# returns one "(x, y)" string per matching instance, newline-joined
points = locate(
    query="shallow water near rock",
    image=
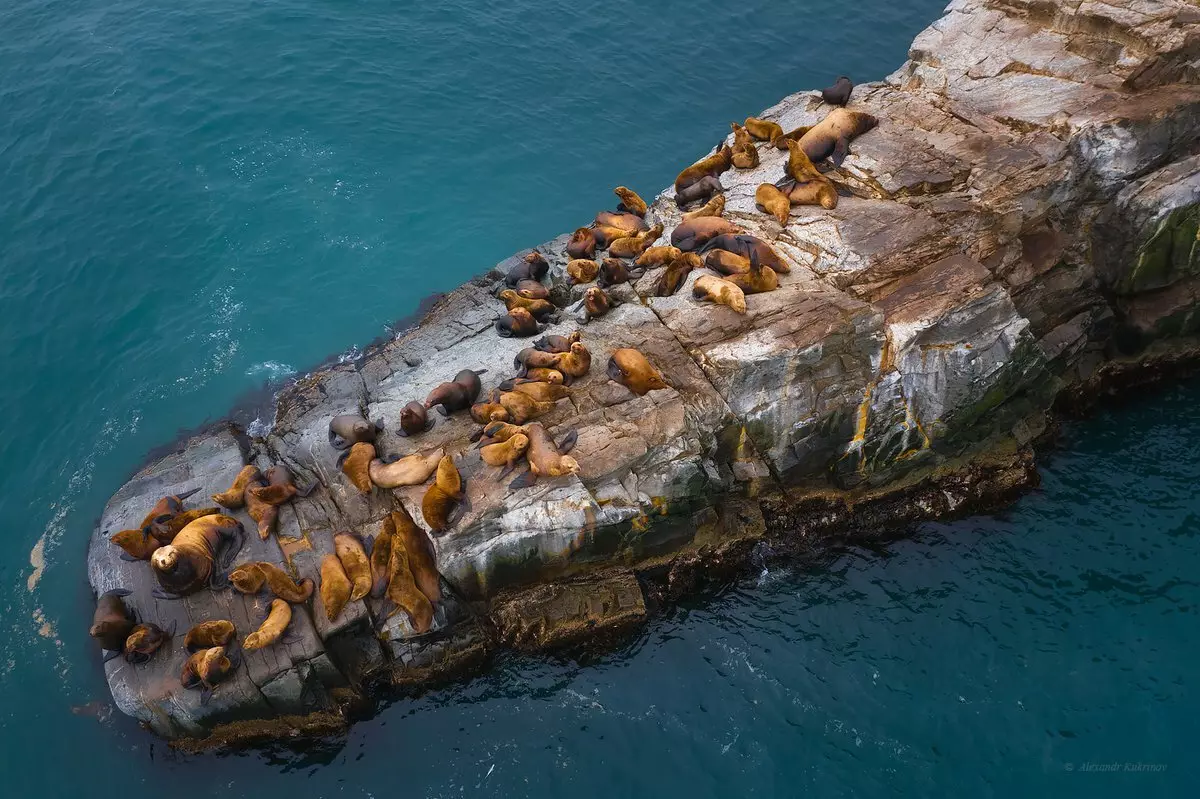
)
(201, 200)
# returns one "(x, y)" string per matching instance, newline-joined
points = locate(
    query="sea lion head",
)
(507, 296)
(246, 579)
(165, 559)
(568, 465)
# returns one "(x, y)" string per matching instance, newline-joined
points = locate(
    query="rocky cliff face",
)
(1022, 222)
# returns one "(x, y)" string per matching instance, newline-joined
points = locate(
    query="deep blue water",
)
(198, 199)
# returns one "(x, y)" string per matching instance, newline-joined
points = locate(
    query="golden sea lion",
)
(574, 363)
(582, 270)
(557, 343)
(272, 627)
(206, 669)
(411, 470)
(543, 392)
(700, 190)
(727, 263)
(519, 323)
(112, 622)
(811, 187)
(234, 498)
(756, 280)
(262, 512)
(634, 246)
(144, 640)
(630, 201)
(613, 272)
(771, 200)
(197, 556)
(350, 429)
(693, 234)
(489, 410)
(830, 138)
(356, 465)
(630, 223)
(335, 586)
(532, 267)
(795, 134)
(414, 419)
(505, 454)
(582, 243)
(673, 277)
(545, 375)
(533, 290)
(595, 303)
(540, 309)
(745, 154)
(422, 561)
(249, 578)
(546, 459)
(381, 555)
(521, 407)
(606, 235)
(208, 634)
(839, 92)
(136, 545)
(280, 488)
(501, 431)
(719, 291)
(743, 244)
(443, 496)
(709, 166)
(763, 129)
(714, 207)
(630, 368)
(658, 256)
(355, 563)
(402, 590)
(165, 532)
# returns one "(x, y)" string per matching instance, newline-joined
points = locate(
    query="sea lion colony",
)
(191, 549)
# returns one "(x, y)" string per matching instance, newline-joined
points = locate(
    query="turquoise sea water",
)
(200, 199)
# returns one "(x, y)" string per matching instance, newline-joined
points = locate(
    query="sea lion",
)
(381, 555)
(411, 470)
(595, 304)
(714, 207)
(350, 429)
(280, 488)
(763, 129)
(355, 562)
(505, 454)
(630, 368)
(757, 280)
(839, 92)
(112, 622)
(144, 640)
(545, 375)
(402, 590)
(235, 497)
(613, 272)
(745, 154)
(532, 267)
(517, 323)
(582, 243)
(795, 134)
(769, 199)
(727, 263)
(811, 186)
(557, 343)
(634, 246)
(693, 234)
(197, 556)
(709, 166)
(531, 357)
(658, 256)
(576, 362)
(533, 290)
(136, 545)
(443, 496)
(630, 201)
(743, 244)
(491, 409)
(262, 512)
(630, 223)
(521, 407)
(249, 578)
(159, 518)
(271, 630)
(208, 634)
(449, 398)
(501, 431)
(422, 560)
(606, 235)
(166, 531)
(830, 138)
(582, 270)
(546, 459)
(413, 420)
(700, 190)
(356, 465)
(206, 669)
(335, 586)
(673, 277)
(543, 392)
(719, 291)
(541, 309)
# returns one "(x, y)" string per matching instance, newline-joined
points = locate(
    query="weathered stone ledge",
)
(1020, 229)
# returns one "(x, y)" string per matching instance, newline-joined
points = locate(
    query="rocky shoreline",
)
(1019, 235)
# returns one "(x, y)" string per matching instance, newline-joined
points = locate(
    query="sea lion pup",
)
(769, 199)
(692, 234)
(700, 190)
(350, 429)
(271, 630)
(574, 363)
(531, 357)
(249, 578)
(541, 309)
(658, 256)
(235, 497)
(443, 496)
(710, 166)
(505, 454)
(350, 551)
(745, 154)
(830, 138)
(491, 409)
(634, 246)
(543, 392)
(546, 459)
(743, 244)
(630, 223)
(544, 374)
(812, 188)
(206, 669)
(719, 291)
(356, 465)
(839, 92)
(757, 280)
(494, 432)
(197, 556)
(135, 544)
(335, 586)
(595, 304)
(208, 634)
(630, 368)
(726, 263)
(422, 561)
(112, 622)
(414, 420)
(381, 555)
(613, 272)
(673, 277)
(533, 290)
(411, 470)
(144, 641)
(518, 323)
(557, 343)
(582, 243)
(582, 270)
(714, 207)
(402, 591)
(763, 129)
(630, 201)
(532, 267)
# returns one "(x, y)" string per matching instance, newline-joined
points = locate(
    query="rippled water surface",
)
(200, 199)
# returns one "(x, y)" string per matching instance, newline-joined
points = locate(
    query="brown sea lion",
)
(658, 256)
(719, 291)
(501, 431)
(443, 496)
(518, 323)
(271, 630)
(413, 420)
(557, 343)
(743, 244)
(235, 497)
(136, 545)
(422, 560)
(262, 512)
(630, 201)
(112, 622)
(250, 578)
(545, 375)
(206, 669)
(745, 154)
(582, 244)
(630, 368)
(606, 235)
(206, 635)
(673, 277)
(693, 234)
(355, 463)
(350, 429)
(726, 263)
(355, 563)
(546, 459)
(795, 134)
(145, 640)
(411, 470)
(469, 379)
(763, 129)
(533, 290)
(613, 272)
(811, 186)
(449, 398)
(166, 531)
(521, 407)
(630, 223)
(771, 200)
(700, 190)
(505, 454)
(381, 555)
(402, 590)
(595, 303)
(757, 280)
(541, 309)
(531, 357)
(714, 207)
(830, 138)
(335, 586)
(489, 410)
(166, 510)
(709, 166)
(634, 246)
(197, 556)
(280, 488)
(582, 270)
(532, 267)
(839, 92)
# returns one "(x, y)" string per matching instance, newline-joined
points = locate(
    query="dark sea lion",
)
(532, 267)
(582, 270)
(811, 186)
(595, 303)
(745, 154)
(557, 343)
(582, 243)
(144, 640)
(411, 470)
(350, 429)
(830, 138)
(757, 280)
(693, 234)
(335, 586)
(235, 497)
(443, 496)
(720, 291)
(271, 630)
(630, 368)
(422, 560)
(469, 380)
(726, 263)
(356, 465)
(709, 166)
(250, 578)
(700, 190)
(112, 622)
(575, 362)
(206, 635)
(658, 256)
(673, 277)
(714, 207)
(206, 669)
(769, 199)
(517, 323)
(402, 590)
(381, 556)
(546, 459)
(530, 358)
(197, 556)
(743, 244)
(839, 92)
(413, 420)
(541, 309)
(163, 512)
(630, 223)
(613, 272)
(763, 129)
(355, 563)
(630, 201)
(533, 290)
(449, 398)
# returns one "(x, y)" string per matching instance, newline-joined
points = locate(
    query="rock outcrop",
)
(1024, 218)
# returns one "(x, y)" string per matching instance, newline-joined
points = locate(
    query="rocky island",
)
(1019, 233)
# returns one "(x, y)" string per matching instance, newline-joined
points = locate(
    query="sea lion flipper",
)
(840, 150)
(187, 494)
(218, 581)
(506, 471)
(401, 433)
(442, 410)
(336, 441)
(125, 556)
(342, 458)
(368, 544)
(428, 425)
(478, 434)
(636, 273)
(568, 442)
(524, 481)
(379, 425)
(118, 592)
(507, 385)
